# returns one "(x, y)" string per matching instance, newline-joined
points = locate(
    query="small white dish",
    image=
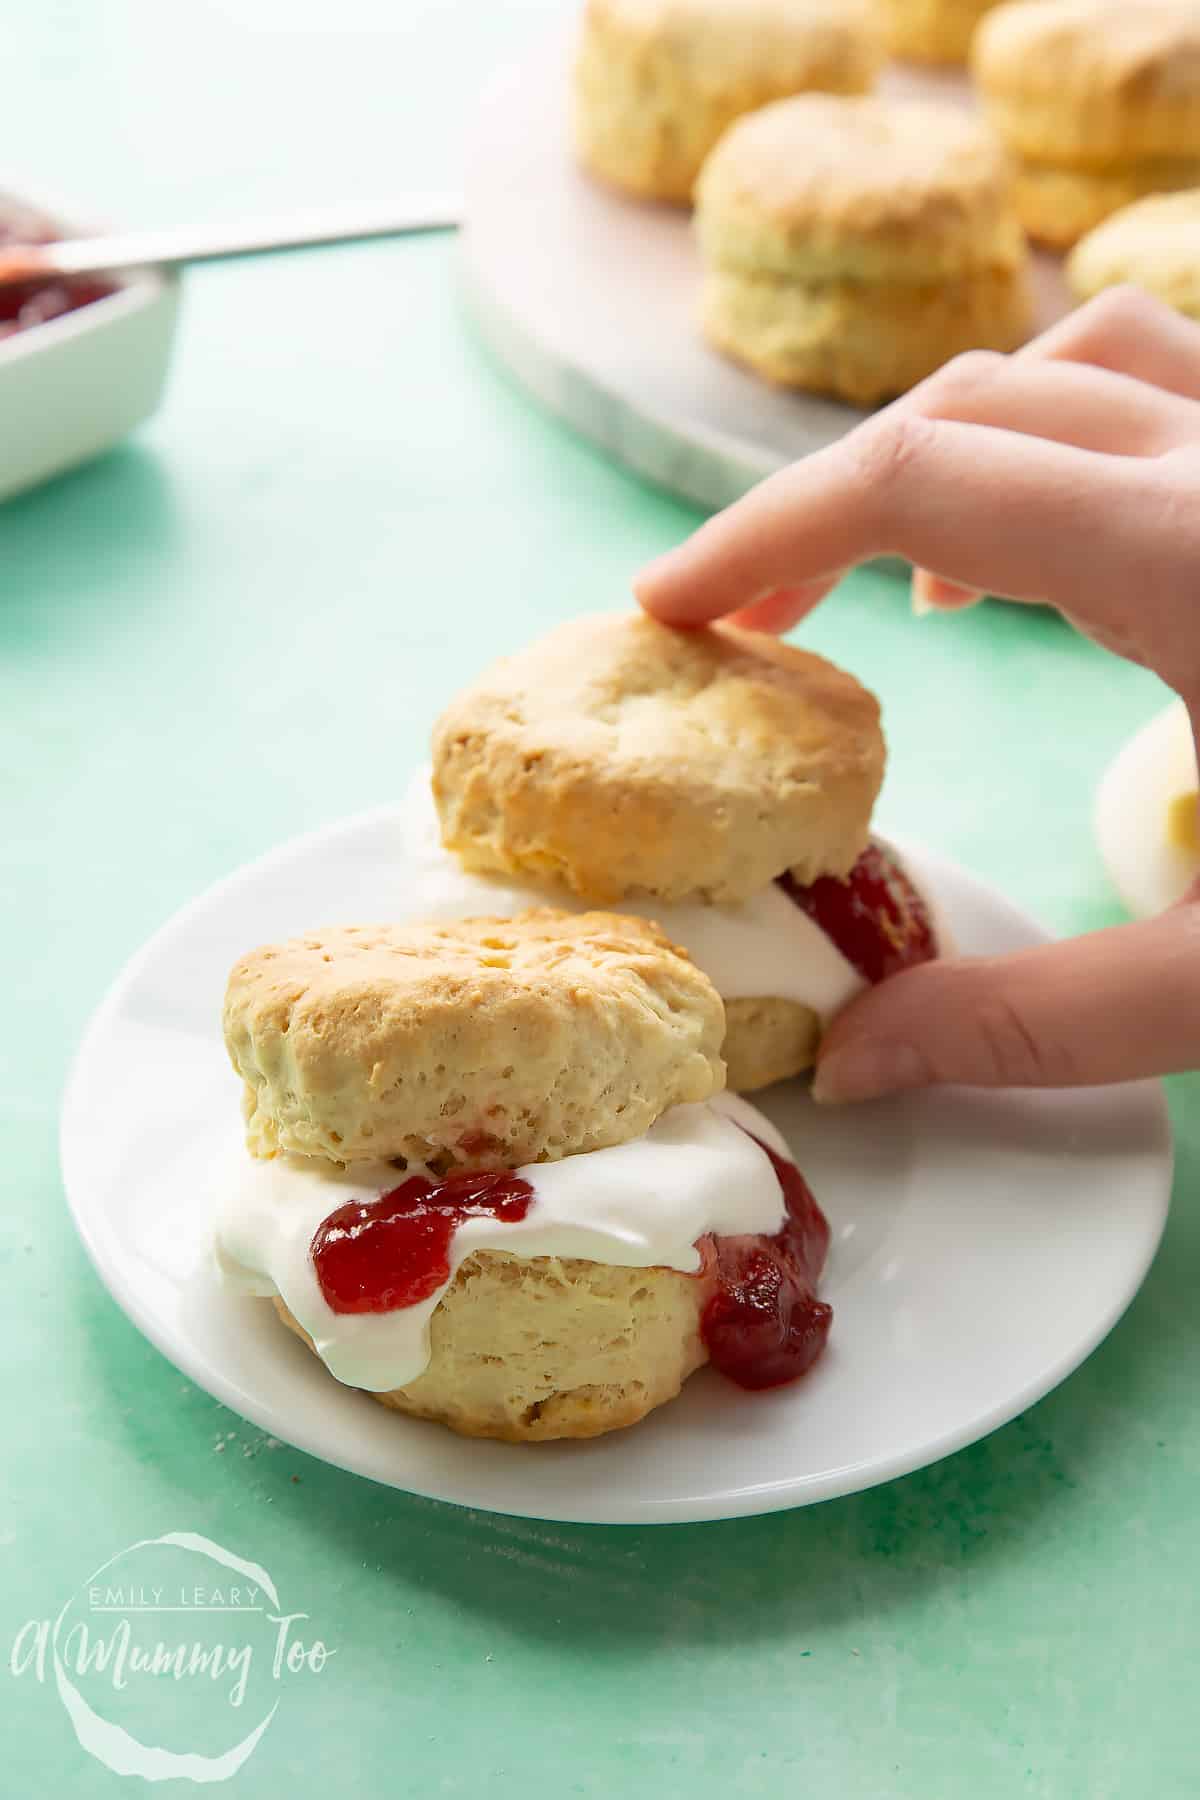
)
(79, 384)
(1133, 801)
(984, 1244)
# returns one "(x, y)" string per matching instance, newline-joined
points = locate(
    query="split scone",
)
(853, 246)
(658, 81)
(1098, 100)
(1154, 244)
(933, 31)
(719, 782)
(491, 1179)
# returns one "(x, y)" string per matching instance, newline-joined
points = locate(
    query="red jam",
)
(764, 1325)
(876, 917)
(29, 303)
(376, 1255)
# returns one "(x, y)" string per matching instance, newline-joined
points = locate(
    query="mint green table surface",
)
(241, 626)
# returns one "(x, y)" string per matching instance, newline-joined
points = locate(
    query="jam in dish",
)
(29, 303)
(762, 1326)
(875, 917)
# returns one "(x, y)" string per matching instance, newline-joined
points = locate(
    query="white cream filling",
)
(640, 1205)
(764, 947)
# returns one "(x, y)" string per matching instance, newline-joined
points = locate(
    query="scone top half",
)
(491, 1043)
(817, 189)
(625, 759)
(1091, 84)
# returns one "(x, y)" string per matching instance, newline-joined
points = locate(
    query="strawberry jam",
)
(764, 1324)
(876, 917)
(28, 303)
(376, 1255)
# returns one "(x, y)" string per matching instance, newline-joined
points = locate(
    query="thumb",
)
(1112, 1006)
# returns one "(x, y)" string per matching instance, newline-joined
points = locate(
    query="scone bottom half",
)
(519, 1346)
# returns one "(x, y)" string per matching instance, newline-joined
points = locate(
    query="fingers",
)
(1091, 408)
(985, 508)
(780, 609)
(1113, 1006)
(1129, 331)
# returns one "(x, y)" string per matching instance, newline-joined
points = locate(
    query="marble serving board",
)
(589, 299)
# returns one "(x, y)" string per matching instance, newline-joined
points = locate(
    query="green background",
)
(241, 626)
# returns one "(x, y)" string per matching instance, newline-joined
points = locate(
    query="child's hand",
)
(1068, 474)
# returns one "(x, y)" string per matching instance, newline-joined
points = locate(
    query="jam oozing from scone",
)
(373, 1256)
(875, 917)
(764, 1324)
(27, 303)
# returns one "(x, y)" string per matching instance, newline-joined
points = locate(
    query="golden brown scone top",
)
(1155, 243)
(487, 1043)
(1090, 82)
(821, 187)
(1136, 45)
(625, 758)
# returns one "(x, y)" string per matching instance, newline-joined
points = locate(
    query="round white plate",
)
(983, 1243)
(1133, 802)
(589, 298)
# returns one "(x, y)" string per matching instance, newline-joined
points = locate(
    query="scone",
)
(933, 31)
(853, 246)
(658, 81)
(717, 781)
(466, 1250)
(1155, 244)
(1098, 100)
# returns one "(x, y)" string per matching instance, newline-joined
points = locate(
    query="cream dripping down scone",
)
(853, 246)
(1098, 100)
(466, 1250)
(719, 782)
(658, 81)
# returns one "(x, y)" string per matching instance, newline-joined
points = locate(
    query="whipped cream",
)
(641, 1205)
(764, 946)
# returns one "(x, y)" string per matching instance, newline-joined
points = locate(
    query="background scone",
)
(1155, 245)
(1099, 100)
(486, 1044)
(718, 781)
(933, 31)
(853, 246)
(658, 81)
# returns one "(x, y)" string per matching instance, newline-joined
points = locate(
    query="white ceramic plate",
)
(983, 1244)
(1133, 801)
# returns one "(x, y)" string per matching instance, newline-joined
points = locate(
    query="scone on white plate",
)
(719, 782)
(491, 1179)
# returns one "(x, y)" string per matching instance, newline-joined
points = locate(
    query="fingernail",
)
(930, 594)
(867, 1071)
